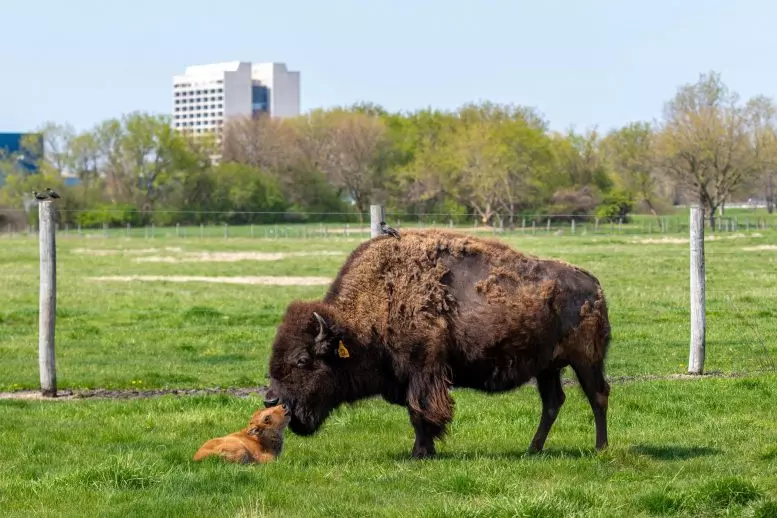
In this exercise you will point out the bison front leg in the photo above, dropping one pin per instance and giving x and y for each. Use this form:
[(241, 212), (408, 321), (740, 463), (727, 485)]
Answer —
[(431, 408), (425, 434)]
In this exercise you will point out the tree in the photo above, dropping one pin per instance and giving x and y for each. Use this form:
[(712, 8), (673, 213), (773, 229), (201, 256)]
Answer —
[(57, 139), (526, 159), (762, 121), (143, 158), (349, 148), (416, 156), (704, 141), (631, 153), (84, 160)]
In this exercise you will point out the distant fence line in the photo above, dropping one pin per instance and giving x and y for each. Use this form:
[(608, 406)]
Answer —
[(534, 224)]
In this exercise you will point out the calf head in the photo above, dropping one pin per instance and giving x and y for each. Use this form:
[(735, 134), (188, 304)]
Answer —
[(272, 418), (305, 365)]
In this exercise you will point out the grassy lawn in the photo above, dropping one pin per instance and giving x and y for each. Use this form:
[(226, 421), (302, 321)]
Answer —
[(685, 448), (678, 447)]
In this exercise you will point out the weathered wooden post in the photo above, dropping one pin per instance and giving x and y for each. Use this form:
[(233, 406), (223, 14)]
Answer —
[(376, 216), (48, 298), (698, 301)]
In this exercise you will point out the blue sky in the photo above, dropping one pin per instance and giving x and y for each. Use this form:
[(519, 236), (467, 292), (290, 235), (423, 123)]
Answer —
[(581, 63)]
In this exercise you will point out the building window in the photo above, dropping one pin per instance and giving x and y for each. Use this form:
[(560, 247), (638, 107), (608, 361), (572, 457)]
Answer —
[(260, 98)]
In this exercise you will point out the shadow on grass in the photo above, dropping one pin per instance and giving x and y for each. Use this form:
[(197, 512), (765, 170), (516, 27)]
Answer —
[(656, 452), (669, 452), (555, 453)]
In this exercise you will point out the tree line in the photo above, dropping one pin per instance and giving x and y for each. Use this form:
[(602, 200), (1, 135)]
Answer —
[(496, 163)]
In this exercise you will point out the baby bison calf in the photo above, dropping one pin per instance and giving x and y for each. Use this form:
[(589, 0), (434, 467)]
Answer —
[(261, 441)]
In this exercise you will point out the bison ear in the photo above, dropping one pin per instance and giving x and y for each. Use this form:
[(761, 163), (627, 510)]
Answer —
[(323, 344)]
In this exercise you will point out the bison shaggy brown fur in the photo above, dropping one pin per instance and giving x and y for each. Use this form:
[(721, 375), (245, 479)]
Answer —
[(408, 318)]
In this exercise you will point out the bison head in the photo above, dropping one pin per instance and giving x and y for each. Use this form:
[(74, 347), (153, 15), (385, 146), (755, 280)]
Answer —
[(306, 365)]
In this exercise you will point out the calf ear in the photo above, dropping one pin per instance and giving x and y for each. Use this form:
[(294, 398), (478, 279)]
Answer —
[(325, 337)]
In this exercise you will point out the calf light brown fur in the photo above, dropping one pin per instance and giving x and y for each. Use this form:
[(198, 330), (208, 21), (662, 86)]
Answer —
[(437, 309), (260, 442)]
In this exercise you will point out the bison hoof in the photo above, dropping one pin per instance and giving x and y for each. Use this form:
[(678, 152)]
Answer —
[(423, 453), (533, 449)]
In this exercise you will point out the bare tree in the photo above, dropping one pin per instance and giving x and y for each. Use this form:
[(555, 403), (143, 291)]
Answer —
[(704, 141), (348, 147), (56, 142), (762, 120), (262, 142)]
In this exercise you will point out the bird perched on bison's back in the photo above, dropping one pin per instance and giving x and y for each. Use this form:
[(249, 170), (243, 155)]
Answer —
[(387, 230), (408, 319)]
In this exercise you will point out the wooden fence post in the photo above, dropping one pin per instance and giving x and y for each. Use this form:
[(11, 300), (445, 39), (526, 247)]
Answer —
[(376, 216), (48, 298), (698, 298)]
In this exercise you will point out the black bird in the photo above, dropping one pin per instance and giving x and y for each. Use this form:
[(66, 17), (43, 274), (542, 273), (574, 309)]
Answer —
[(387, 230), (51, 193), (40, 196)]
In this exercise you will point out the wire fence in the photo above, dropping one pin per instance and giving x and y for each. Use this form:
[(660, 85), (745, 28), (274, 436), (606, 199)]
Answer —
[(741, 320)]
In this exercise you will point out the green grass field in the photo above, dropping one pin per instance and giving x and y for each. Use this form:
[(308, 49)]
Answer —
[(681, 447)]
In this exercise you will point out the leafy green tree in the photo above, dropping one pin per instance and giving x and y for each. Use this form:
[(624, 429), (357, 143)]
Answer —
[(631, 153)]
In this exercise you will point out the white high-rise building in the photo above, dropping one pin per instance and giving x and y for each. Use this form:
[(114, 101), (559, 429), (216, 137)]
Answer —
[(206, 96)]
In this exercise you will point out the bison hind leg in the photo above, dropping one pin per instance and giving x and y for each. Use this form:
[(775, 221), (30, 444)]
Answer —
[(597, 390), (552, 395)]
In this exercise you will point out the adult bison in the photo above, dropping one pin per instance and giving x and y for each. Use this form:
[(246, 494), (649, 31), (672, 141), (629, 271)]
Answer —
[(407, 318)]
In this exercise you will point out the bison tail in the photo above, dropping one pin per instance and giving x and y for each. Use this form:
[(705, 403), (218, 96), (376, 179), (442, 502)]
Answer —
[(590, 340), (596, 329)]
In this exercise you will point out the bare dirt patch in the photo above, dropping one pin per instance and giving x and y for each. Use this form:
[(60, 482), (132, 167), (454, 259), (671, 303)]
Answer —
[(684, 240), (123, 251), (662, 241), (231, 257), (759, 247), (279, 280)]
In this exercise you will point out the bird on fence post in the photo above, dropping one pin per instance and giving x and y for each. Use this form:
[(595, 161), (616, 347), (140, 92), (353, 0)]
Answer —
[(387, 230), (40, 196), (52, 193)]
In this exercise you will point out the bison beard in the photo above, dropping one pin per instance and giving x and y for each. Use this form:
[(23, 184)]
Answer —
[(407, 319)]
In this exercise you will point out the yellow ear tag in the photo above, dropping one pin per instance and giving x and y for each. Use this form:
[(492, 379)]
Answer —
[(342, 352)]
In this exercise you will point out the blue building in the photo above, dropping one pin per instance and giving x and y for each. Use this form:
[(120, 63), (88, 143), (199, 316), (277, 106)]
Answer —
[(24, 149)]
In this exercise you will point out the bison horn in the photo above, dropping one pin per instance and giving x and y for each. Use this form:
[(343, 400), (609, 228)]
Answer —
[(322, 327)]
